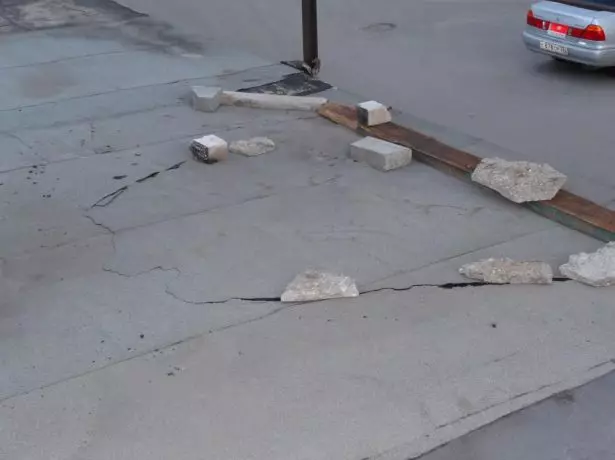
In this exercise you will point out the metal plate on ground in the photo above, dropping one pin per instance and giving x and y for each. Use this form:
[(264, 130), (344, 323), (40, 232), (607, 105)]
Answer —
[(25, 15), (295, 84)]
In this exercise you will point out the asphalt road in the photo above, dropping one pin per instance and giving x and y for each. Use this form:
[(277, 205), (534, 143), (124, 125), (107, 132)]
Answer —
[(574, 425), (460, 64)]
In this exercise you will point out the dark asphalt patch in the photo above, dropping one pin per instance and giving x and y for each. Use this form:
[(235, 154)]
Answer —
[(24, 15), (295, 84)]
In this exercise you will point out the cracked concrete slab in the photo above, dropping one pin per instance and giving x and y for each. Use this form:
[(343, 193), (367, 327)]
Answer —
[(16, 153), (52, 329), (89, 293), (310, 375), (327, 227), (550, 244)]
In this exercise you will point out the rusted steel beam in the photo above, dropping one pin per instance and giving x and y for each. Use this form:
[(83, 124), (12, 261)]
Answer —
[(566, 208)]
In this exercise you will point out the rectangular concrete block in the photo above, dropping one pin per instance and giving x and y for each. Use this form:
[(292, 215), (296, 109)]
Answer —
[(372, 113), (379, 154), (209, 149), (205, 99)]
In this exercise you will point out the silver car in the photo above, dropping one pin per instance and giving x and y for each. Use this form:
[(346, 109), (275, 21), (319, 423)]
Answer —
[(581, 31)]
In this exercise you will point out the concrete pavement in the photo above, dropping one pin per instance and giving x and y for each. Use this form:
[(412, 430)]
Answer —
[(137, 327), (458, 66)]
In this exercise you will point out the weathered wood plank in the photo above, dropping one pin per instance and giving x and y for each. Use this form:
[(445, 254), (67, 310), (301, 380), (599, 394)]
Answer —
[(566, 208)]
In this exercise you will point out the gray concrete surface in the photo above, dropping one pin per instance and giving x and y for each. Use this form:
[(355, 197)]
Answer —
[(460, 65), (147, 326), (576, 425)]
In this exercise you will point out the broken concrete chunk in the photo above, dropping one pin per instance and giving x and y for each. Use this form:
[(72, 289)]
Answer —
[(372, 113), (314, 285), (253, 147), (596, 269), (508, 271), (519, 181), (271, 101), (209, 149), (379, 154), (205, 99)]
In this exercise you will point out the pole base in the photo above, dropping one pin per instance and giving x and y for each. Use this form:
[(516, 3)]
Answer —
[(312, 70)]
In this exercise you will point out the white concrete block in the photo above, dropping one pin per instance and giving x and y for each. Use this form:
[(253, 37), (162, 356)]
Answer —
[(596, 269), (315, 285), (205, 99), (380, 154), (209, 149), (372, 113), (252, 147), (272, 101)]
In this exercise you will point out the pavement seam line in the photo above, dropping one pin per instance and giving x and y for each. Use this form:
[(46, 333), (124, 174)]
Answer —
[(71, 58), (102, 93), (140, 146), (386, 453)]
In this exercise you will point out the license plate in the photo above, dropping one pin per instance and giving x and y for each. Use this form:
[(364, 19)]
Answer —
[(558, 30), (557, 49)]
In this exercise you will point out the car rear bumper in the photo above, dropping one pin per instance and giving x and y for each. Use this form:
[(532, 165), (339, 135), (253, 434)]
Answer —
[(577, 52)]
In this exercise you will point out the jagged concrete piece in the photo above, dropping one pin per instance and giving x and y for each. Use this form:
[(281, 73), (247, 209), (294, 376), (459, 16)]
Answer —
[(314, 285), (519, 181), (253, 147), (209, 149), (508, 271), (596, 269)]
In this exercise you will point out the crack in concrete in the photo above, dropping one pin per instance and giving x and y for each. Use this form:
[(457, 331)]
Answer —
[(267, 315), (220, 302), (445, 286), (99, 224), (449, 286), (150, 351), (111, 197), (144, 272)]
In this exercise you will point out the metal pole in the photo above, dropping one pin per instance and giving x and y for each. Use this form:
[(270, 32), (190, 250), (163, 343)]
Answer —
[(311, 62)]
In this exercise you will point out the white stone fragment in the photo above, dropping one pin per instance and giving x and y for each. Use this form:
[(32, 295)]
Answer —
[(380, 154), (271, 101), (372, 113), (519, 181), (205, 98), (596, 269), (508, 271), (252, 147), (314, 285), (209, 149)]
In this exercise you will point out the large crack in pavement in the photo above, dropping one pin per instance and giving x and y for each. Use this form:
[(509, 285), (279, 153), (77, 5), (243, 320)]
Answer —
[(445, 286), (278, 309), (111, 197)]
